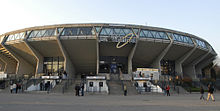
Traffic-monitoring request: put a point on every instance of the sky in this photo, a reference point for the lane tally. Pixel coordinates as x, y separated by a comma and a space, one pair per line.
197, 17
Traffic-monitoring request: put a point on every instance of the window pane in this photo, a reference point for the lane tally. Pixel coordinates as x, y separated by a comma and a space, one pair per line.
16, 36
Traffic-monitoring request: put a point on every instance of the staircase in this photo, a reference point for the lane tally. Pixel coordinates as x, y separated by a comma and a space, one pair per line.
131, 90
59, 87
115, 85
71, 87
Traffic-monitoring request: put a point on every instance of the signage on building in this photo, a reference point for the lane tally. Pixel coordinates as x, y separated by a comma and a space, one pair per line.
95, 77
124, 39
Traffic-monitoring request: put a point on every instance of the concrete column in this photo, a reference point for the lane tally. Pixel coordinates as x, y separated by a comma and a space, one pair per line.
97, 53
10, 65
190, 69
38, 56
178, 63
131, 54
23, 66
68, 65
156, 62
2, 63
203, 64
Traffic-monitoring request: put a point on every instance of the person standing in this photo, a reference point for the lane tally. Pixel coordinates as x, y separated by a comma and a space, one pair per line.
82, 89
41, 86
140, 74
168, 90
77, 88
14, 87
11, 88
210, 93
125, 90
202, 93
164, 89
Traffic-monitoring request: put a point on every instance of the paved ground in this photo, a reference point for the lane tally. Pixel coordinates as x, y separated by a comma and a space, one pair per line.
152, 102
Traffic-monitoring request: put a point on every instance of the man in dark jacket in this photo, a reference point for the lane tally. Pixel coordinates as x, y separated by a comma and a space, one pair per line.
210, 93
202, 93
82, 89
77, 88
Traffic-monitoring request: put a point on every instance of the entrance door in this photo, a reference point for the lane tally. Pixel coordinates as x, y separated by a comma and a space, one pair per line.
111, 64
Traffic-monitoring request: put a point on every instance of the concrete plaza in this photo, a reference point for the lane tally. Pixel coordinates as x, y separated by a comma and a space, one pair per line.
68, 102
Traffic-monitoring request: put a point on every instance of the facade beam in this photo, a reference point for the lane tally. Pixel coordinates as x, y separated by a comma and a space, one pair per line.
190, 69
179, 62
38, 56
23, 67
131, 54
203, 64
68, 64
156, 62
97, 50
3, 65
10, 65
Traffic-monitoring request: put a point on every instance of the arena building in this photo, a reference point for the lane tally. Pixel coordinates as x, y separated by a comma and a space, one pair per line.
99, 48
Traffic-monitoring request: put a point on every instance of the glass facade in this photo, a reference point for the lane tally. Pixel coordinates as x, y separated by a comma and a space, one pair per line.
16, 36
115, 34
201, 43
181, 38
167, 67
77, 31
42, 33
113, 64
53, 65
115, 31
97, 29
153, 34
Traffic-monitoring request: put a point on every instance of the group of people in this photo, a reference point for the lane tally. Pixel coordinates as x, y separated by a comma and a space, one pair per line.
45, 86
79, 88
141, 74
210, 93
15, 87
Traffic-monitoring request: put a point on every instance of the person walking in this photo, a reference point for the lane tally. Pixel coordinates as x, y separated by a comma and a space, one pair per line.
14, 87
164, 89
41, 86
210, 93
202, 93
168, 90
82, 89
125, 90
11, 88
77, 88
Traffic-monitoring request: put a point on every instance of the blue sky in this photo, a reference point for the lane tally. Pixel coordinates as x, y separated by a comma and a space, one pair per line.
198, 17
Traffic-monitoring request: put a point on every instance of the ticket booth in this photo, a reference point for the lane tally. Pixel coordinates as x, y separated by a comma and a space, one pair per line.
96, 84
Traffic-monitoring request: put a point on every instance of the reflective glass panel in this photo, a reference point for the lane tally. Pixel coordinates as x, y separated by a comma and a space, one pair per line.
136, 31
16, 36
77, 31
42, 33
